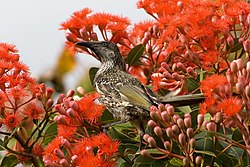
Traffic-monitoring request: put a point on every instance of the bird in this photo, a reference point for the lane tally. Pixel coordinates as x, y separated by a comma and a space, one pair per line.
123, 94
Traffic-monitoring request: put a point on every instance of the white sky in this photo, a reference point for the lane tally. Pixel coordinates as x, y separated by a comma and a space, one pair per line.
32, 25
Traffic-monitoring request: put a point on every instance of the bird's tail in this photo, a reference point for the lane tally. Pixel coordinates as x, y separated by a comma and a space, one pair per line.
182, 100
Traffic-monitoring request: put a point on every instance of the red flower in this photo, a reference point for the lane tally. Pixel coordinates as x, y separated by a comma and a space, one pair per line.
49, 151
230, 106
12, 121
211, 83
33, 110
88, 109
66, 131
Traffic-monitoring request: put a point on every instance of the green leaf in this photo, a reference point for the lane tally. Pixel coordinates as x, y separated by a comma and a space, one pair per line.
237, 46
118, 134
135, 54
92, 73
1, 145
142, 161
233, 151
192, 84
50, 133
206, 153
176, 162
9, 161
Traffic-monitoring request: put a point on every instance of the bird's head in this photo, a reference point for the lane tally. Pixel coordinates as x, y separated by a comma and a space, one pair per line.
104, 50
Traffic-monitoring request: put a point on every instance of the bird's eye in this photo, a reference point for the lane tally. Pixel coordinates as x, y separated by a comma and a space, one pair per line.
104, 44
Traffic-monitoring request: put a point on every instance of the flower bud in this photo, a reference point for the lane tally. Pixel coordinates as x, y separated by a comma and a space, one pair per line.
70, 93
246, 46
65, 143
234, 67
239, 63
247, 90
210, 126
167, 75
170, 132
60, 119
71, 113
49, 103
73, 105
69, 37
152, 123
230, 41
186, 162
181, 67
180, 123
155, 29
230, 76
175, 129
170, 110
149, 49
60, 99
49, 92
165, 116
75, 159
158, 131
167, 145
145, 153
190, 132
191, 71
200, 119
155, 116
64, 162
144, 40
94, 36
182, 139
198, 160
192, 143
218, 117
239, 88
176, 117
59, 153
147, 35
188, 122
166, 66
145, 137
176, 76
151, 142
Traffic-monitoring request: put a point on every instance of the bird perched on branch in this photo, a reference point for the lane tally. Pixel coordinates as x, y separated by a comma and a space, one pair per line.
122, 94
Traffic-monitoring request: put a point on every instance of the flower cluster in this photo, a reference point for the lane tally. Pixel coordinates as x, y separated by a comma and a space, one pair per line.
79, 141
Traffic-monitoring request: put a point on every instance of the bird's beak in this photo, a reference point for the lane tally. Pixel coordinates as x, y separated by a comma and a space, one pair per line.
90, 45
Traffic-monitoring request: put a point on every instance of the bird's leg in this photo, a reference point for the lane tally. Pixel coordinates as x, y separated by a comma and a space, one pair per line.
141, 133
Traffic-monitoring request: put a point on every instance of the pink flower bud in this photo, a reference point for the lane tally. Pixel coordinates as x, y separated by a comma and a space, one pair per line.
166, 66
186, 161
167, 145
147, 35
155, 29
176, 117
234, 67
170, 110
73, 105
200, 119
181, 67
210, 126
239, 88
248, 68
94, 36
69, 37
190, 132
70, 93
49, 103
170, 132
59, 153
151, 142
165, 116
144, 40
230, 41
240, 63
60, 119
145, 153
246, 46
187, 122
167, 75
192, 143
183, 39
75, 159
176, 76
60, 99
180, 123
218, 117
248, 19
158, 131
66, 143
64, 162
175, 129
182, 139
247, 90
145, 137
49, 92
241, 40
71, 113
198, 160
230, 76
152, 123
155, 116
191, 71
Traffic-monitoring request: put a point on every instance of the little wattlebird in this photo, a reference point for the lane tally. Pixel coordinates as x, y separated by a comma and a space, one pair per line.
122, 94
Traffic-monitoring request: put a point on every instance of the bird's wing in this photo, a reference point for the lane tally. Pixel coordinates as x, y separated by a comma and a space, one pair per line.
137, 94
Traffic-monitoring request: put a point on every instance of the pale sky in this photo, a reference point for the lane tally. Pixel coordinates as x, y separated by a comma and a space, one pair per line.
32, 25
